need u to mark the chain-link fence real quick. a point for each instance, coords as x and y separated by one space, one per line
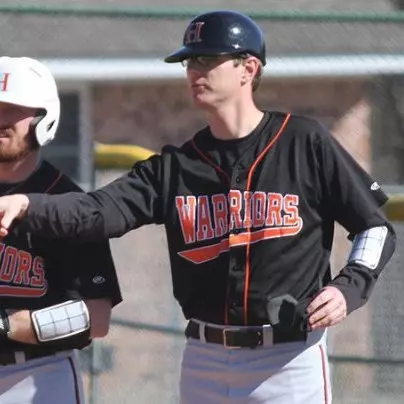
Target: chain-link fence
136 29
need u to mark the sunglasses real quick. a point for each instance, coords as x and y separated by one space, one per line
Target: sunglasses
207 62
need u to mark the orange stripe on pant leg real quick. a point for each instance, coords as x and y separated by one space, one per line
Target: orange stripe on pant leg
324 367
76 380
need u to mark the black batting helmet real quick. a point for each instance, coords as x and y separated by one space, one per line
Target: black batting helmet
220 33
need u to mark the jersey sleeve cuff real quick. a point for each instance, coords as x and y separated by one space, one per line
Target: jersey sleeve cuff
356 284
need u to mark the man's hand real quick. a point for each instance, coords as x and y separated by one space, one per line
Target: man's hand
21 327
327 308
11 207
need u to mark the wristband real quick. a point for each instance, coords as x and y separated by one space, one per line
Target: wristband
4 324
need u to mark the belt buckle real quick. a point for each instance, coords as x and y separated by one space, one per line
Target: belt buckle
225 344
12 358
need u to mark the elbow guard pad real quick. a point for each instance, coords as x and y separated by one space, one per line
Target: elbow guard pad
61 321
373 248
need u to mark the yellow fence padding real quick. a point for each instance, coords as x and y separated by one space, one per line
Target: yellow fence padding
394 208
116 156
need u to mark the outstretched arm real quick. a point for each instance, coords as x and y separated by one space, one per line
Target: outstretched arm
127 203
69 215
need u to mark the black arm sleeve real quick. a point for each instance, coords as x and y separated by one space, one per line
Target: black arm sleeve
127 203
356 282
77 341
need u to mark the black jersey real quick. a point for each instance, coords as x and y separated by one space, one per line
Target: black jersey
245 220
37 272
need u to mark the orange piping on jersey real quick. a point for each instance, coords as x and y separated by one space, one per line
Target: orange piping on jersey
75 380
249 179
209 161
54 182
323 365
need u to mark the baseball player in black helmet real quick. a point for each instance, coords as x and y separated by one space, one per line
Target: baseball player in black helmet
221 33
55 296
249 205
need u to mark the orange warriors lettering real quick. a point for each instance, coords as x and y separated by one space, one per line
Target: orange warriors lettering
274 207
4 81
258 208
7 268
220 212
205 229
23 268
186 214
247 223
290 207
38 278
193 33
21 274
260 216
235 199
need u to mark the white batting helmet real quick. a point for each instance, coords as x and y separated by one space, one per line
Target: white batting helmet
28 82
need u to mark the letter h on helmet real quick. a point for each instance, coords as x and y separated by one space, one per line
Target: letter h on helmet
221 33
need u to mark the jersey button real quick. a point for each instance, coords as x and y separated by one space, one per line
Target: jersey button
235 303
238 179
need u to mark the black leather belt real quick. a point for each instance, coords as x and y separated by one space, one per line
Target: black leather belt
14 357
243 337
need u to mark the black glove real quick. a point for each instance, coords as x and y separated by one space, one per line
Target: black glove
288 317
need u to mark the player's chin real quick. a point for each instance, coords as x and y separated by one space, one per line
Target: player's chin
13 154
202 100
7 155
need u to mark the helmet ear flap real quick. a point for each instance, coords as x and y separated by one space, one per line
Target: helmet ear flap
47 123
34 123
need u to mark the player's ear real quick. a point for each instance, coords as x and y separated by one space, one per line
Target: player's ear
251 65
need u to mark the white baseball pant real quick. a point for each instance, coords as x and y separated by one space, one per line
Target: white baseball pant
285 373
48 380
